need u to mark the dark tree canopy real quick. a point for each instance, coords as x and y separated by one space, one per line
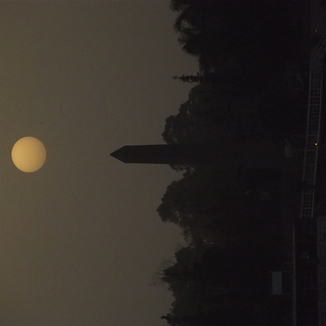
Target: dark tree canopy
252 83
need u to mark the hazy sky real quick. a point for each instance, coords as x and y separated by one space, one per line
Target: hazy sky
81 239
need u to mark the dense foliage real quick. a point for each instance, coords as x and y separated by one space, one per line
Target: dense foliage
251 84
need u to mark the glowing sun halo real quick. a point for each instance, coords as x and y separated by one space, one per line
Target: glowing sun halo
28 154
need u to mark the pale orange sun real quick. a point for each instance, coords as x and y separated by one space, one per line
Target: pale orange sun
28 154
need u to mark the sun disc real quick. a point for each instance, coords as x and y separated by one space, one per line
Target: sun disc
28 154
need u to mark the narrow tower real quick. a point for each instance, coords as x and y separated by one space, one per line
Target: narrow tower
258 153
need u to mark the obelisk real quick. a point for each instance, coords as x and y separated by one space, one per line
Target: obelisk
258 153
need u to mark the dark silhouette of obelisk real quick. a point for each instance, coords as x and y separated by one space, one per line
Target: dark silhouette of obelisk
258 153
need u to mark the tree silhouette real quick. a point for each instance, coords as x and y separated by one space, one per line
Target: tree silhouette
230 216
190 78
